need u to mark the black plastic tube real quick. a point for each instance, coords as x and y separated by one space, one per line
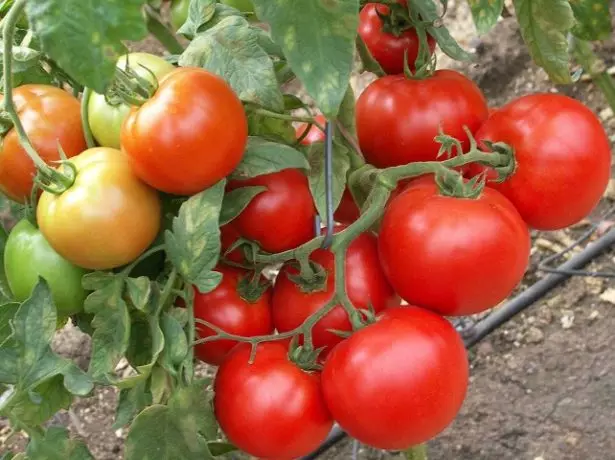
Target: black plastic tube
512 308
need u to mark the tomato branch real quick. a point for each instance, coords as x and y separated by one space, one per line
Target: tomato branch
281 116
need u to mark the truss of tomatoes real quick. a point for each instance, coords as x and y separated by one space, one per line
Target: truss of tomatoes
393 384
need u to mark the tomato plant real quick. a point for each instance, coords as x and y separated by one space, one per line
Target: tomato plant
432 259
258 394
179 12
50 117
411 365
228 309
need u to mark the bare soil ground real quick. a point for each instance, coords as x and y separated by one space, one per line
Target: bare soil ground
542 387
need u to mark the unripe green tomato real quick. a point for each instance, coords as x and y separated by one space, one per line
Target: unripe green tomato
106 119
179 12
28 256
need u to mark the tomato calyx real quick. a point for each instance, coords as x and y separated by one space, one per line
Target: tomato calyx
304 356
251 288
312 277
131 88
453 184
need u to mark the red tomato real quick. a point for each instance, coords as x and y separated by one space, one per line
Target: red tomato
225 308
50 117
271 408
189 135
398 382
386 48
280 218
451 255
228 236
365 284
315 134
348 211
398 118
563 158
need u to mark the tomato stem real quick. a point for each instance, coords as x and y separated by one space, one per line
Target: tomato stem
417 452
282 116
161 32
85 118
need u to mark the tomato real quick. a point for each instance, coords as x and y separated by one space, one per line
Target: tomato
366 286
315 134
228 236
411 113
348 211
280 218
452 255
399 382
225 308
28 256
179 12
563 158
106 119
193 109
50 116
271 408
107 218
387 48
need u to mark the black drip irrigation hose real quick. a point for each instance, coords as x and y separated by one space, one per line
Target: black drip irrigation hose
509 310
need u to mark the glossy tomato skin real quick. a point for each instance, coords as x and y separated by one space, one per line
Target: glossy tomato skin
28 256
225 308
271 408
315 134
106 119
366 286
280 218
563 158
411 112
50 116
451 255
189 135
399 382
386 48
107 218
348 211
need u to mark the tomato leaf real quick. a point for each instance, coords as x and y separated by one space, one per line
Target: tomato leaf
7 312
199 13
194 244
429 13
593 19
486 13
236 201
50 397
347 116
266 157
56 445
131 402
97 280
318 39
111 326
218 448
221 11
27 67
139 291
231 49
160 385
544 25
176 343
316 176
87 42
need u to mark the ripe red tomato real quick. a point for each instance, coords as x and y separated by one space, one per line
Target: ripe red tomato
271 408
228 236
563 158
451 255
366 286
315 134
348 211
225 308
387 48
411 113
399 382
50 117
280 218
189 135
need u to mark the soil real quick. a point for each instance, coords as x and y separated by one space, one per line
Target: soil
543 386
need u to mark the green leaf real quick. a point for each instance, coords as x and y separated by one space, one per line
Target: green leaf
194 244
236 201
347 116
318 39
429 13
97 280
176 343
230 49
27 67
56 445
51 396
111 325
316 176
266 157
193 406
131 402
5 290
486 13
7 312
199 13
544 27
87 42
160 385
593 19
221 11
139 291
218 448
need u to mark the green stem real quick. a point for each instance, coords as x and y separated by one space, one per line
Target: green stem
356 158
595 67
126 271
161 32
281 116
187 370
85 118
417 452
167 292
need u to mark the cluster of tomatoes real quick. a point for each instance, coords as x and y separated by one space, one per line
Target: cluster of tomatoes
401 379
